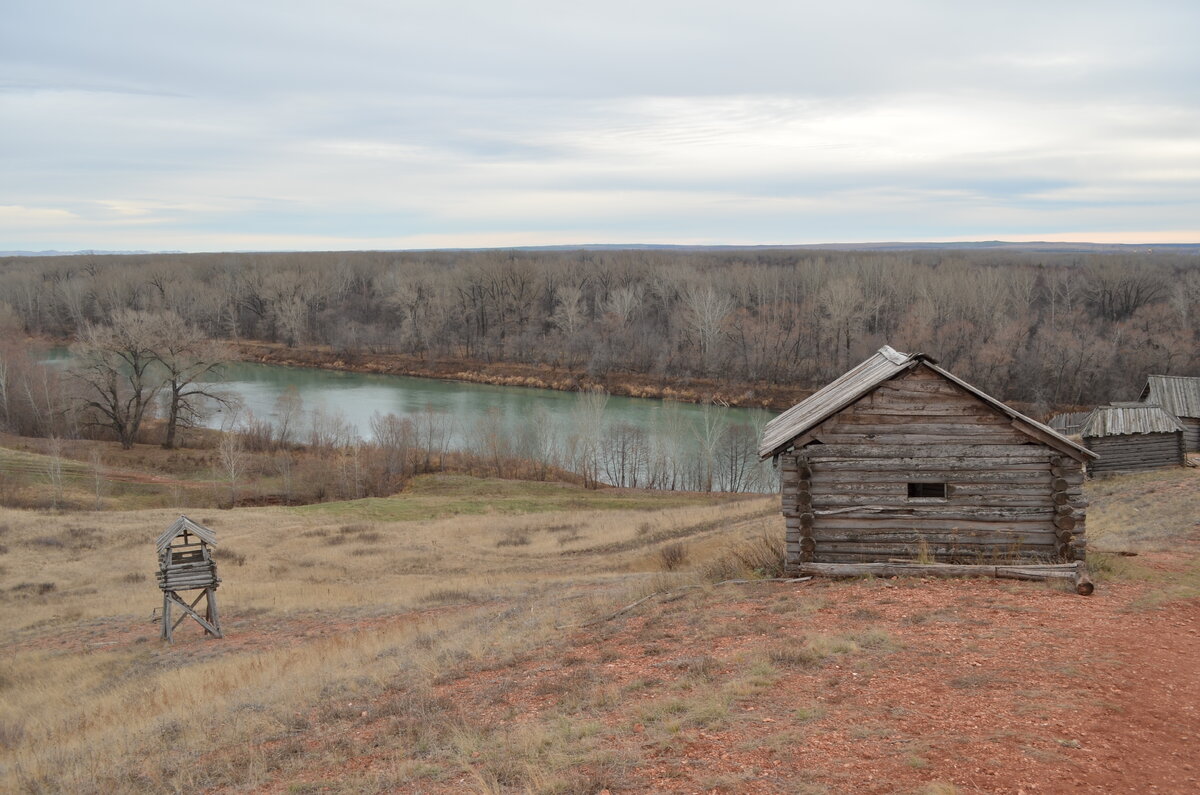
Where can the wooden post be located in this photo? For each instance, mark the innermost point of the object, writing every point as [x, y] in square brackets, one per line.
[211, 612]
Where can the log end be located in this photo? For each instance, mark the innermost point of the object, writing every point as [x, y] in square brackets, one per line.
[1083, 583]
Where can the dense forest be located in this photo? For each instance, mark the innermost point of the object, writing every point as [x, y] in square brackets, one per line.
[1045, 329]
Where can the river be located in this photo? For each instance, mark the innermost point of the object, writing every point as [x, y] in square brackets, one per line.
[621, 440]
[627, 435]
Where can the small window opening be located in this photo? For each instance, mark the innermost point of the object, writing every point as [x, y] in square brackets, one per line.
[927, 490]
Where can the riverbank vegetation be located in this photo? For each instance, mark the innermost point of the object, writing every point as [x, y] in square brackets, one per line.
[1040, 329]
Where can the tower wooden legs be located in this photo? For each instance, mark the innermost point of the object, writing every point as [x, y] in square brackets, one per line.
[210, 620]
[211, 612]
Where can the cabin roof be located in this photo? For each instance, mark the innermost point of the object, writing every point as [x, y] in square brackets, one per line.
[1178, 394]
[184, 523]
[1121, 419]
[883, 365]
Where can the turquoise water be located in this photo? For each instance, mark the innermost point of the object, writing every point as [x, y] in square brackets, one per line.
[357, 396]
[631, 441]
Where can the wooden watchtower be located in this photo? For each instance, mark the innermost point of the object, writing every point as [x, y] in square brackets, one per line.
[185, 563]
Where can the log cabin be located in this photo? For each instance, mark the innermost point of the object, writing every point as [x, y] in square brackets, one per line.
[1131, 437]
[899, 460]
[1180, 397]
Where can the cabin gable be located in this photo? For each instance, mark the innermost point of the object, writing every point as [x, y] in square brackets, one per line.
[918, 406]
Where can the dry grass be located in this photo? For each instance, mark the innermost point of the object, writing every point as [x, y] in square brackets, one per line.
[1143, 512]
[315, 607]
[337, 610]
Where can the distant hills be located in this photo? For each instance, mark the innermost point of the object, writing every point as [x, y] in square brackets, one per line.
[981, 245]
[965, 245]
[80, 253]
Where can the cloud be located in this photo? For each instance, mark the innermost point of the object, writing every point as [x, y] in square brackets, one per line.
[370, 123]
[15, 215]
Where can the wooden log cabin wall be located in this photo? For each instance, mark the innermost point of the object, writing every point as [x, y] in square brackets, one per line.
[900, 460]
[1131, 437]
[1179, 396]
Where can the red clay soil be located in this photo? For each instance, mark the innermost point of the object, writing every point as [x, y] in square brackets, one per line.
[989, 686]
[984, 685]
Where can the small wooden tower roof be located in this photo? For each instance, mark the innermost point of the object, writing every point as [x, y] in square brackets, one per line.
[185, 524]
[885, 364]
[1122, 419]
[1180, 395]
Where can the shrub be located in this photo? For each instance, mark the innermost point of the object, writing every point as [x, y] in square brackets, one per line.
[759, 557]
[229, 555]
[672, 556]
[514, 538]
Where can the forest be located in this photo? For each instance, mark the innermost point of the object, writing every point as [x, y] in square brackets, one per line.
[1047, 330]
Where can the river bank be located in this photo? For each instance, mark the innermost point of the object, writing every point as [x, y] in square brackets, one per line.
[775, 397]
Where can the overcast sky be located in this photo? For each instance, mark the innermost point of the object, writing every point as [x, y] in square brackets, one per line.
[349, 125]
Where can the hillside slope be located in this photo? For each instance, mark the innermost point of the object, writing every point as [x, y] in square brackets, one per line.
[461, 636]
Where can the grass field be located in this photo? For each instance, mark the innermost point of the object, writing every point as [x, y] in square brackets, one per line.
[439, 641]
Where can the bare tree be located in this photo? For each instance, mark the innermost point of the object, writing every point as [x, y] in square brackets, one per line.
[714, 423]
[97, 465]
[54, 470]
[588, 419]
[288, 409]
[114, 366]
[190, 359]
[706, 309]
[232, 456]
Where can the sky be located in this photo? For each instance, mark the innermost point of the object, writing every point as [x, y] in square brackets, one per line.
[212, 126]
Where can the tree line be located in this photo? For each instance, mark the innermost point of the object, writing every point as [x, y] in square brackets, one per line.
[1047, 330]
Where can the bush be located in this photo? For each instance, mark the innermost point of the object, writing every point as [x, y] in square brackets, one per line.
[514, 538]
[759, 557]
[672, 556]
[229, 555]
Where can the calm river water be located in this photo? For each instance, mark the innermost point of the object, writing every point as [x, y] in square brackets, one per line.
[639, 427]
[357, 396]
[631, 441]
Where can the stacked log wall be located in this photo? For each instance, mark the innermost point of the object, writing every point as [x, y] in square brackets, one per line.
[1009, 496]
[1135, 452]
[1191, 433]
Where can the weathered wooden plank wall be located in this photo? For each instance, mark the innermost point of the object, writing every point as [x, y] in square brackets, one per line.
[1191, 433]
[1135, 452]
[846, 499]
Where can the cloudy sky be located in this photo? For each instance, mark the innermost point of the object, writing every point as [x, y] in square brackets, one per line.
[350, 125]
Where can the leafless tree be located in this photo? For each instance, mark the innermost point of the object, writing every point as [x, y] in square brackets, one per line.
[114, 366]
[232, 455]
[190, 359]
[54, 470]
[97, 466]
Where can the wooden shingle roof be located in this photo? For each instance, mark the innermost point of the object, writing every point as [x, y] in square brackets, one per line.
[1179, 395]
[184, 523]
[1121, 419]
[886, 364]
